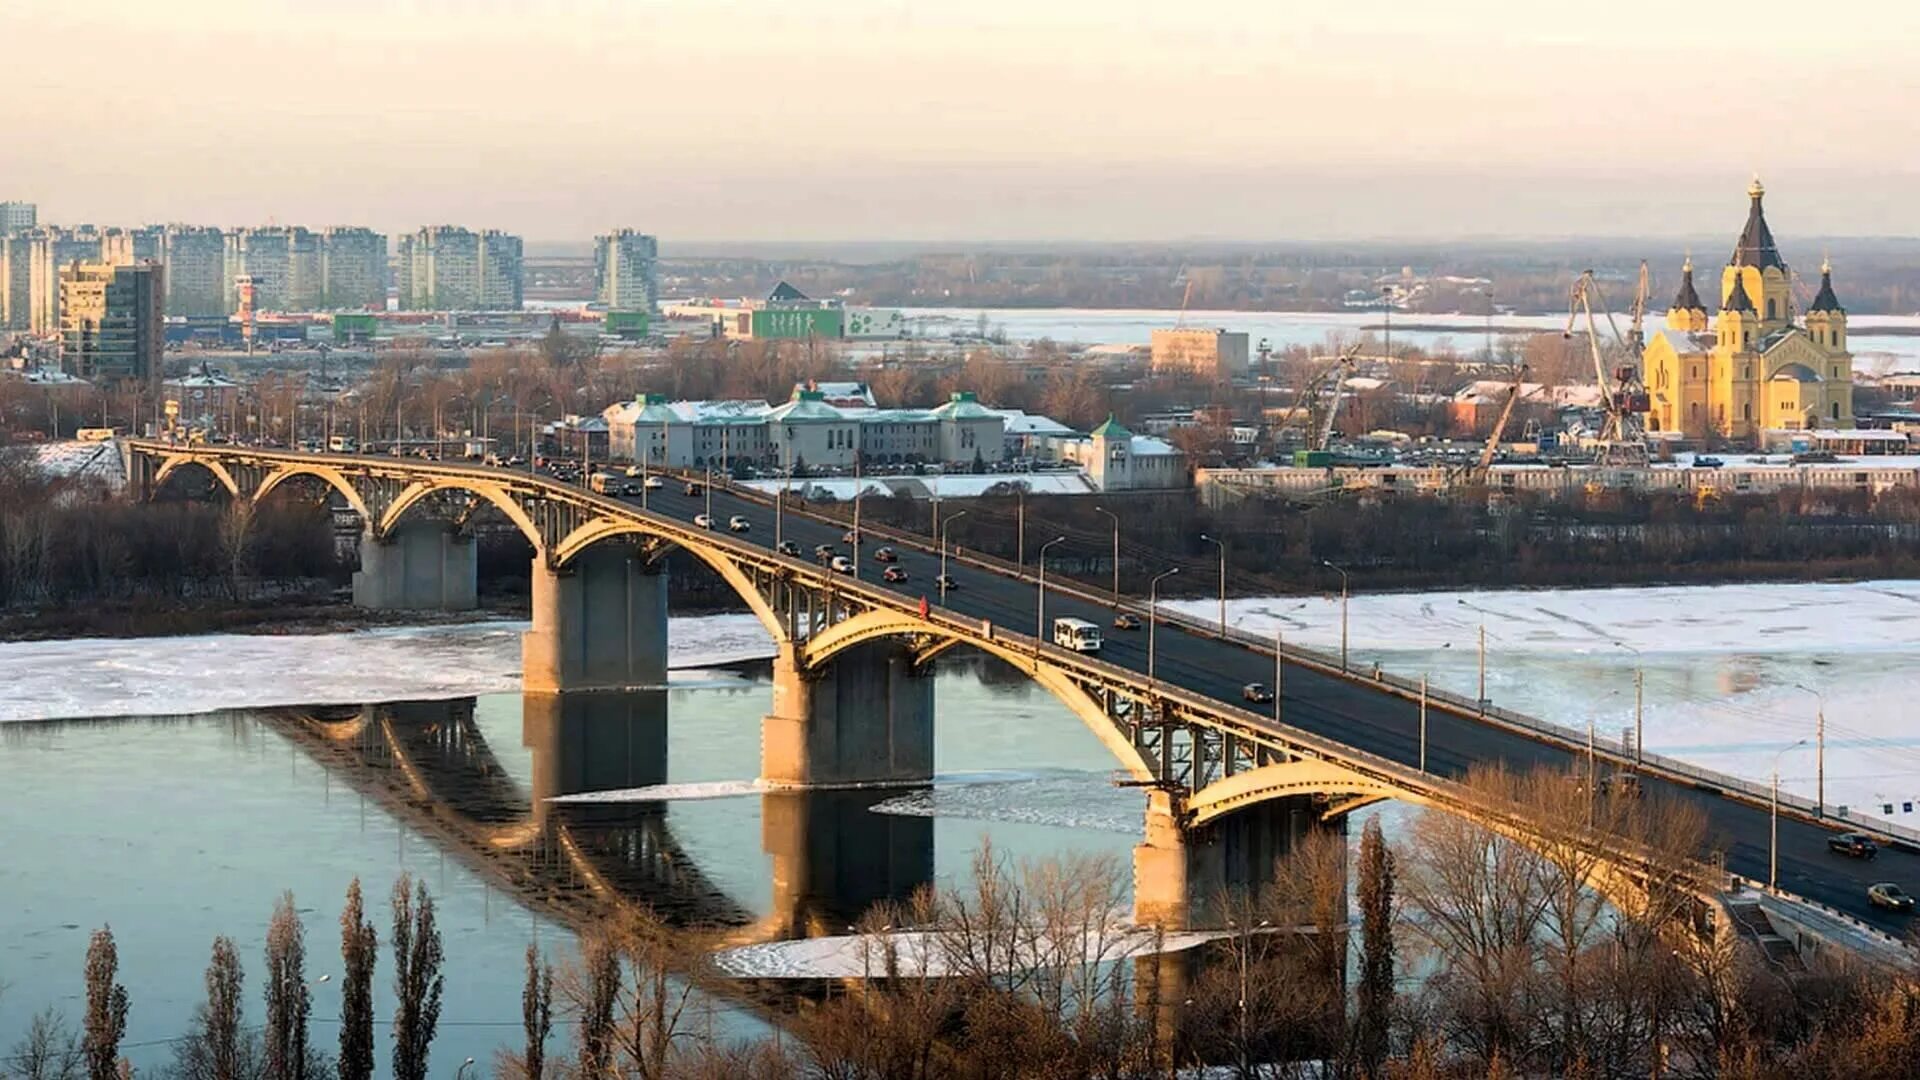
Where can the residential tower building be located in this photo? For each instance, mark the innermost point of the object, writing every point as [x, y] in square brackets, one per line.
[112, 320]
[626, 266]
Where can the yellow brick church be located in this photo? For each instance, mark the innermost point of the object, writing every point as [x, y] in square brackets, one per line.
[1753, 368]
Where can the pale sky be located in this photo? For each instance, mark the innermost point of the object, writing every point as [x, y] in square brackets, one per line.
[980, 120]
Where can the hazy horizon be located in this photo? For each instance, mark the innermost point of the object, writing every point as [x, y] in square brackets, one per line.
[737, 121]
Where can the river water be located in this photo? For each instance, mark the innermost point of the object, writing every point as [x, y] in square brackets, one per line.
[173, 830]
[1467, 334]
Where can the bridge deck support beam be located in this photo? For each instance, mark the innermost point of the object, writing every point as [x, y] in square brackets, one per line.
[598, 624]
[1181, 874]
[419, 565]
[866, 718]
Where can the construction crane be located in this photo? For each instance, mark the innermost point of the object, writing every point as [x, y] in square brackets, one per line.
[1184, 298]
[1623, 397]
[1341, 367]
[1636, 336]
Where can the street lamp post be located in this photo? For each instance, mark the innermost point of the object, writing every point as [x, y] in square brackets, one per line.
[1279, 668]
[944, 526]
[1116, 551]
[1343, 609]
[1819, 748]
[1153, 616]
[1040, 620]
[1020, 527]
[1222, 545]
[1773, 838]
[1639, 700]
[462, 1070]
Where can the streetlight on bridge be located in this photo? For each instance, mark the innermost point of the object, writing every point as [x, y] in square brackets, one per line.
[1773, 839]
[1343, 608]
[1639, 699]
[1153, 616]
[944, 526]
[1222, 545]
[1116, 551]
[1820, 748]
[1040, 621]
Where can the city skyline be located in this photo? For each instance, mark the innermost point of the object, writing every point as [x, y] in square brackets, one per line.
[1001, 122]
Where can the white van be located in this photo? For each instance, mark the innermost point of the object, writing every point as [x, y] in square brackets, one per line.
[1076, 634]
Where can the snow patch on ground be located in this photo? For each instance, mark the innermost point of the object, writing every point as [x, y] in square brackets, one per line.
[101, 677]
[1734, 674]
[918, 953]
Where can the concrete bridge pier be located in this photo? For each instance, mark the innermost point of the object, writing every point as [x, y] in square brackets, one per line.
[1182, 873]
[594, 742]
[832, 858]
[418, 565]
[600, 623]
[866, 717]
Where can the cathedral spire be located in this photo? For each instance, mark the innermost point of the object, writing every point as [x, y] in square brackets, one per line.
[1824, 300]
[1688, 298]
[1755, 247]
[1738, 300]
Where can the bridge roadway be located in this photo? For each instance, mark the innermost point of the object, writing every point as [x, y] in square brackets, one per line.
[1347, 710]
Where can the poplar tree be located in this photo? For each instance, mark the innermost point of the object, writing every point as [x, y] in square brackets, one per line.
[106, 1022]
[289, 1001]
[417, 981]
[536, 1010]
[359, 947]
[1376, 947]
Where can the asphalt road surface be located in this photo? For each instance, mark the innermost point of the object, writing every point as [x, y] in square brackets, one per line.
[1363, 718]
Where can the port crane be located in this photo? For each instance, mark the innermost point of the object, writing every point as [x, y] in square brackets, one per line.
[1342, 366]
[1623, 396]
[1477, 473]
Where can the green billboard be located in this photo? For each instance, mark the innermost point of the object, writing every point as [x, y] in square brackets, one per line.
[797, 323]
[354, 326]
[631, 325]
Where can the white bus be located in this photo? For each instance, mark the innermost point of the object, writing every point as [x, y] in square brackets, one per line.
[1076, 634]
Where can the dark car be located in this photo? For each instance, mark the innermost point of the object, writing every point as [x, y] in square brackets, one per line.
[823, 552]
[946, 581]
[1126, 620]
[1890, 896]
[894, 574]
[787, 547]
[885, 554]
[849, 537]
[692, 488]
[1858, 845]
[1257, 693]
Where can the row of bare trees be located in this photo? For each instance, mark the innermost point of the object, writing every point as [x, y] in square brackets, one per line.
[1501, 944]
[221, 1045]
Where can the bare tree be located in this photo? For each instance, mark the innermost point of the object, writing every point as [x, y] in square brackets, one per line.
[217, 1048]
[48, 1051]
[359, 950]
[536, 1011]
[289, 1001]
[417, 981]
[595, 993]
[106, 1022]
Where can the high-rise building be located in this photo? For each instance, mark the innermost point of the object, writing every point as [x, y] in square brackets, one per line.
[112, 320]
[354, 268]
[50, 249]
[16, 288]
[306, 275]
[502, 272]
[626, 265]
[18, 217]
[264, 254]
[438, 269]
[195, 260]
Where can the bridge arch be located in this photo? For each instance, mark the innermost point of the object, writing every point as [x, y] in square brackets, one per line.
[604, 530]
[493, 493]
[172, 465]
[326, 474]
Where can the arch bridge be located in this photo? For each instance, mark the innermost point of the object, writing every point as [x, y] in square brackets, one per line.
[1232, 784]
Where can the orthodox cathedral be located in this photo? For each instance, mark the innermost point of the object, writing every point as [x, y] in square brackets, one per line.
[1752, 367]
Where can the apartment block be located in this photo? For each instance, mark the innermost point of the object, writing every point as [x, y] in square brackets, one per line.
[18, 216]
[265, 255]
[112, 320]
[195, 260]
[626, 266]
[353, 268]
[502, 272]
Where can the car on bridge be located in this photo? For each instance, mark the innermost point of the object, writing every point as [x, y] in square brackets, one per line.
[1126, 620]
[653, 483]
[894, 575]
[1257, 693]
[704, 521]
[1858, 845]
[788, 548]
[885, 554]
[850, 537]
[946, 582]
[739, 523]
[693, 488]
[823, 552]
[841, 565]
[1890, 896]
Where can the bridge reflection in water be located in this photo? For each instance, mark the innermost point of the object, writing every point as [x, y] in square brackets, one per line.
[428, 764]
